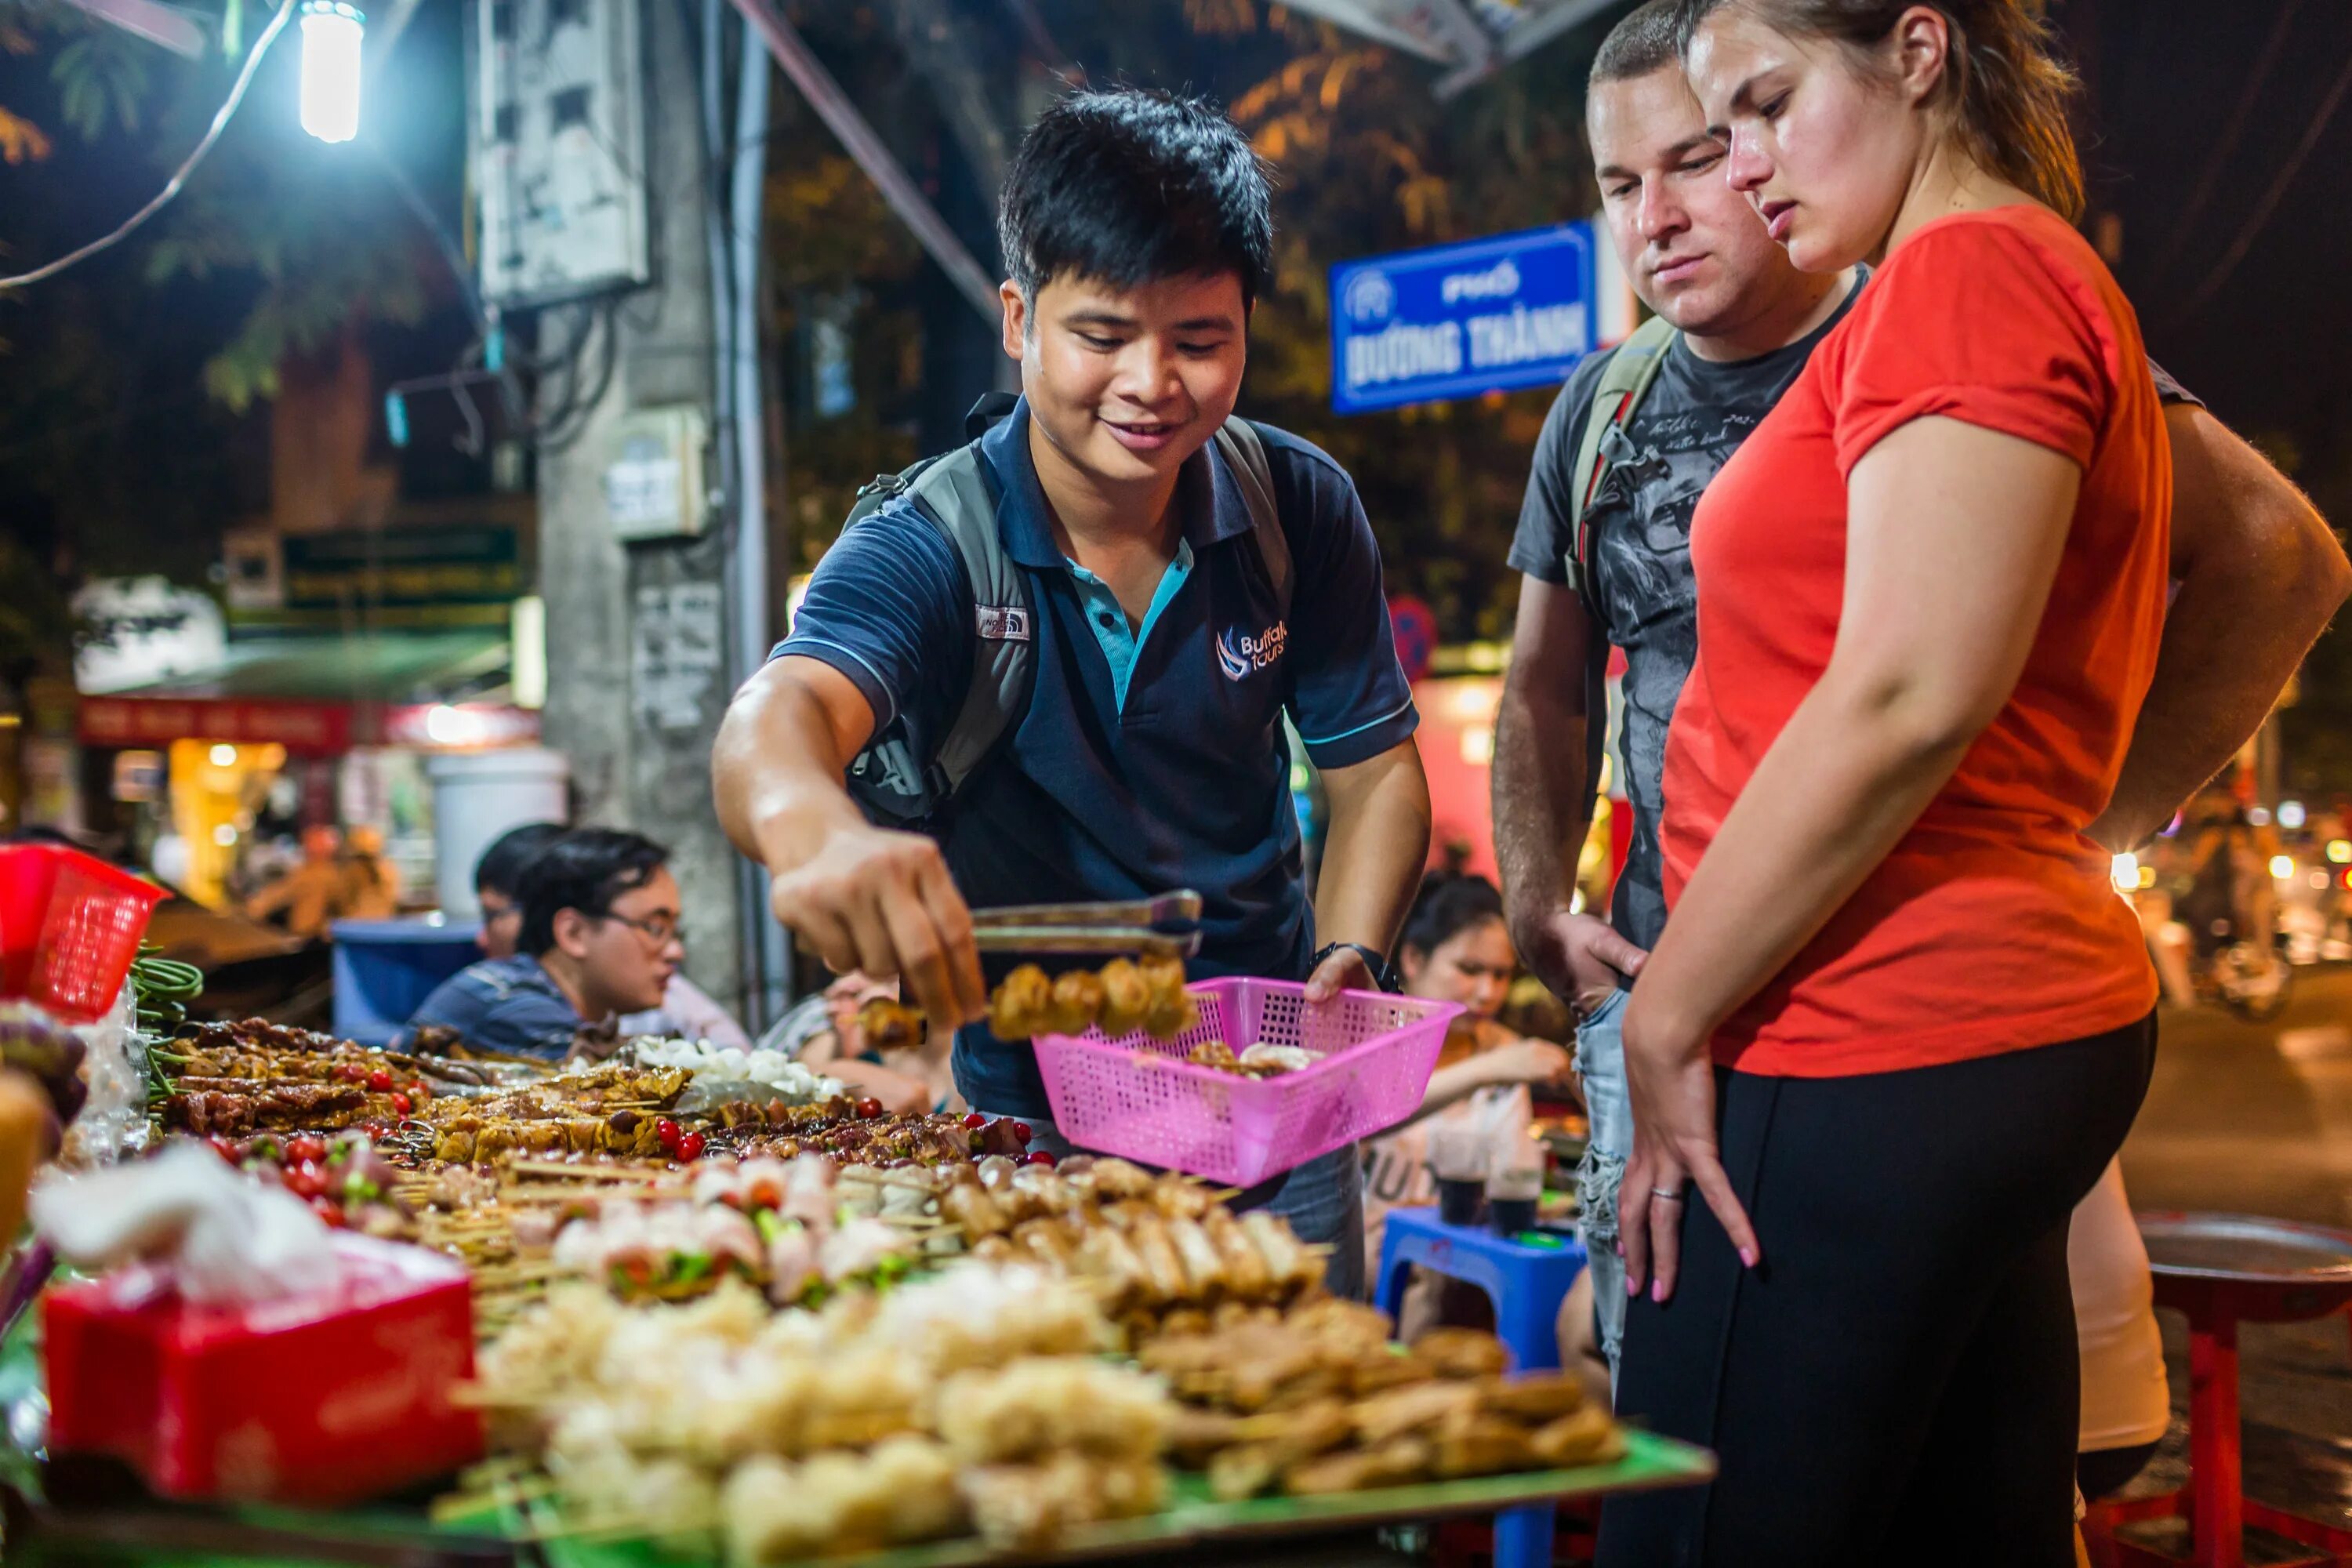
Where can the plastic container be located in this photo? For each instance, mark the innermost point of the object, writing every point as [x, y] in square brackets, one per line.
[477, 797]
[384, 969]
[70, 927]
[1138, 1098]
[321, 1400]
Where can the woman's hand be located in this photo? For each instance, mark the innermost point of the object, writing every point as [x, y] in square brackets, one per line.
[1672, 1080]
[1524, 1062]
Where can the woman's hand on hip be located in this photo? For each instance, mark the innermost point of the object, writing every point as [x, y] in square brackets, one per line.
[1672, 1083]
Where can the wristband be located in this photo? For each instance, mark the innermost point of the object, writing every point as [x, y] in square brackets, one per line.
[1383, 975]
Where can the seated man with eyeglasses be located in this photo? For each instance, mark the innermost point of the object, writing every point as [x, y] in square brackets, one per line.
[685, 1013]
[598, 939]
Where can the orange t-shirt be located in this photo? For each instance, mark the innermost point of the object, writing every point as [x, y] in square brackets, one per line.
[1993, 925]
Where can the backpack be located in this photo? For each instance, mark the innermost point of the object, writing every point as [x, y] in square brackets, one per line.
[1624, 382]
[956, 494]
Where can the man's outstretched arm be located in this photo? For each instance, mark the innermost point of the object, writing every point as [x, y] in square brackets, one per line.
[1543, 797]
[2260, 575]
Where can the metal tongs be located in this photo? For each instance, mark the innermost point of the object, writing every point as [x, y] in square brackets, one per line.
[1165, 926]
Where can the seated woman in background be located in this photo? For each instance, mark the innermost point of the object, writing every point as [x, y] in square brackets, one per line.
[1455, 949]
[826, 1034]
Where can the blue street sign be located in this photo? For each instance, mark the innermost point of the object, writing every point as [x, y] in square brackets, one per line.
[1454, 320]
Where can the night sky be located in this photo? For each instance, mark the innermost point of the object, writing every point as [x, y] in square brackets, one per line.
[2269, 351]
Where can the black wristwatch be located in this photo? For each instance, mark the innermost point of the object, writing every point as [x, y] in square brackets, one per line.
[1384, 974]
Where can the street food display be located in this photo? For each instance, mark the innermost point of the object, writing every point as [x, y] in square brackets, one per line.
[773, 1071]
[720, 1302]
[1123, 996]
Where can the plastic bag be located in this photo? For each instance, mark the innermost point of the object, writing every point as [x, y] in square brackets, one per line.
[113, 1123]
[223, 1238]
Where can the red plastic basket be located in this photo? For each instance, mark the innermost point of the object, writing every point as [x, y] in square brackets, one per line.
[1138, 1096]
[70, 927]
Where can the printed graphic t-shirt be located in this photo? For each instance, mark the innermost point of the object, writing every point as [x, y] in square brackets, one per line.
[1991, 925]
[1695, 415]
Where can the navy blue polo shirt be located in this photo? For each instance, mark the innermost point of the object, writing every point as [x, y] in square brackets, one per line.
[1147, 760]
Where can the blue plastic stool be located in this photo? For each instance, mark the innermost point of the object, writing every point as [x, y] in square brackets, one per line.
[1527, 1285]
[385, 969]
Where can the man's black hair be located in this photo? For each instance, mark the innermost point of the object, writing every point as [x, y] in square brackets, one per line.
[1131, 187]
[584, 869]
[500, 870]
[1648, 39]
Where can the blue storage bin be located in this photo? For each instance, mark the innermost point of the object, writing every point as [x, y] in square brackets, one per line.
[384, 969]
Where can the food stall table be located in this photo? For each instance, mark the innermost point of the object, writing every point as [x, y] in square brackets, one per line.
[154, 1534]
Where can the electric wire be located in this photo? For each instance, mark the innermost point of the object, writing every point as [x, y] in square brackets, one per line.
[2217, 161]
[2276, 193]
[180, 175]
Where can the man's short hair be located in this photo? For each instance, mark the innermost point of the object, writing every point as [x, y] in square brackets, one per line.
[1648, 38]
[584, 869]
[500, 870]
[1131, 187]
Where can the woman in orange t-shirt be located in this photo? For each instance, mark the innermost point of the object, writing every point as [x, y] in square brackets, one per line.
[1930, 589]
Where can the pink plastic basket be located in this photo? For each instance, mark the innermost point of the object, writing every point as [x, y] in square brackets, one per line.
[70, 927]
[1138, 1096]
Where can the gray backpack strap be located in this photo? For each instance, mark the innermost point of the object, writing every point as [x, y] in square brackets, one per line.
[1624, 382]
[1245, 453]
[957, 499]
[887, 779]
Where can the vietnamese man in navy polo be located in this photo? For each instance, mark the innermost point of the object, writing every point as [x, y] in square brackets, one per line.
[1150, 753]
[1151, 757]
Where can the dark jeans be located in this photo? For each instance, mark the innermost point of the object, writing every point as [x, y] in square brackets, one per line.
[1898, 1382]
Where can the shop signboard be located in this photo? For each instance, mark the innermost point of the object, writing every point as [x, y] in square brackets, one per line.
[1458, 320]
[397, 568]
[304, 729]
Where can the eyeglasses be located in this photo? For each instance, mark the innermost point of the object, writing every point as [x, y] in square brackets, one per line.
[659, 930]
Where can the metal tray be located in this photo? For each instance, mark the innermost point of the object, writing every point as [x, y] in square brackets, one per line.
[2245, 1249]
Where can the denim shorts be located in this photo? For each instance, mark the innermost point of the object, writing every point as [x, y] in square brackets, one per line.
[1601, 1060]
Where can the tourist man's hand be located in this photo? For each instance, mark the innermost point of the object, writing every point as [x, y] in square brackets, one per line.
[1581, 958]
[883, 902]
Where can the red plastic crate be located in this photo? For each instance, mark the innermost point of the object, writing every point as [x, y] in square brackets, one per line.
[321, 1400]
[70, 927]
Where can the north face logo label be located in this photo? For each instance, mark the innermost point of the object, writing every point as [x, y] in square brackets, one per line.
[1002, 624]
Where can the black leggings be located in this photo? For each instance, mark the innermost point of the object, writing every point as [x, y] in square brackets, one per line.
[1898, 1382]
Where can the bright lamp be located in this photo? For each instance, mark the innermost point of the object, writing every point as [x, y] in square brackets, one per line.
[332, 30]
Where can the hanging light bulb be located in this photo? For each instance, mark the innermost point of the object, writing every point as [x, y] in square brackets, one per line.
[332, 30]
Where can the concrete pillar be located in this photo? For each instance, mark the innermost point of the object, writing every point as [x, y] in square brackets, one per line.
[636, 637]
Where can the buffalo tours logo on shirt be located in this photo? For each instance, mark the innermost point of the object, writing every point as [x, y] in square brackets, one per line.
[1241, 656]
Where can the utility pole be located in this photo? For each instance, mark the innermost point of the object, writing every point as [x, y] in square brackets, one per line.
[637, 632]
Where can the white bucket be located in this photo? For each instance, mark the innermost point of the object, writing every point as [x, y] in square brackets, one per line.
[479, 796]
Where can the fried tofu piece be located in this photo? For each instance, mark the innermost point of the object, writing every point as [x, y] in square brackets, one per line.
[1534, 1397]
[1462, 1352]
[1587, 1438]
[1393, 1464]
[1420, 1406]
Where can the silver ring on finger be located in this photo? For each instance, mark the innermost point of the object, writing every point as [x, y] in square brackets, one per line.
[1669, 1194]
